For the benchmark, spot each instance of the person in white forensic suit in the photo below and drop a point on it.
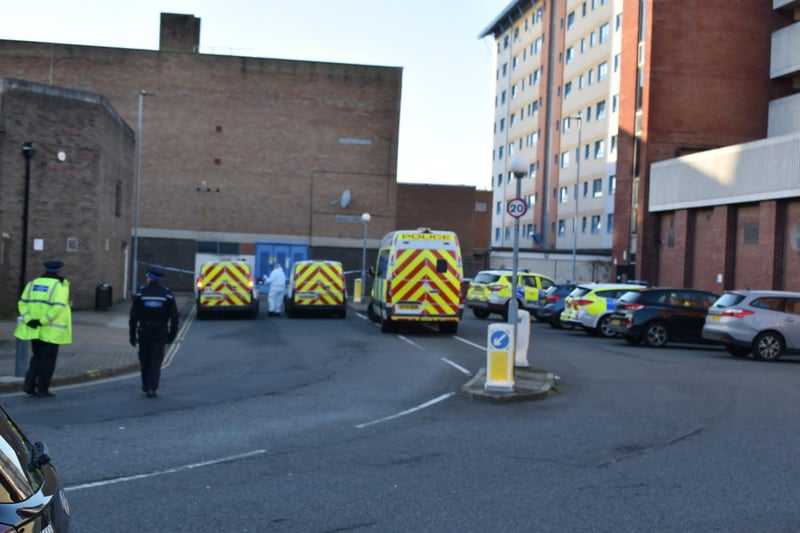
(277, 290)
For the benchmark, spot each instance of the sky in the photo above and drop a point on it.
(448, 71)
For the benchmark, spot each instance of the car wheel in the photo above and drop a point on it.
(480, 313)
(556, 322)
(633, 339)
(738, 351)
(768, 346)
(505, 311)
(656, 335)
(604, 326)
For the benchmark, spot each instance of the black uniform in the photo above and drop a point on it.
(154, 323)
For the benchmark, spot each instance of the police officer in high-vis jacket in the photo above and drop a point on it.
(153, 324)
(45, 320)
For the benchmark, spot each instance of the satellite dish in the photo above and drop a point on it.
(345, 200)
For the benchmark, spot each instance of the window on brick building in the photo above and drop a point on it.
(118, 199)
(750, 233)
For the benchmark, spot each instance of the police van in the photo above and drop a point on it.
(417, 278)
(316, 287)
(225, 287)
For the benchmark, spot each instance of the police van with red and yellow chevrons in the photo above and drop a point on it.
(316, 287)
(224, 287)
(417, 278)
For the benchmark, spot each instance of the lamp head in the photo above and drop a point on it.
(365, 217)
(519, 165)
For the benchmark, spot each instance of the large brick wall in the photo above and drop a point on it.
(77, 198)
(241, 149)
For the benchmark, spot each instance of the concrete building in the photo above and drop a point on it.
(557, 94)
(238, 150)
(69, 198)
(727, 217)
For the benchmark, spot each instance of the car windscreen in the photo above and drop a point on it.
(729, 299)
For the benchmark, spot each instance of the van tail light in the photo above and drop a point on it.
(580, 303)
(495, 287)
(200, 283)
(552, 298)
(632, 307)
(737, 313)
(250, 281)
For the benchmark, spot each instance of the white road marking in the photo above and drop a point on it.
(409, 341)
(407, 411)
(457, 366)
(165, 472)
(172, 349)
(470, 343)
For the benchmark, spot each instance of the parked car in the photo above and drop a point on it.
(31, 495)
(661, 315)
(590, 305)
(766, 323)
(490, 291)
(551, 303)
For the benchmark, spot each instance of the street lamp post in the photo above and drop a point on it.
(27, 152)
(365, 218)
(577, 195)
(519, 167)
(134, 278)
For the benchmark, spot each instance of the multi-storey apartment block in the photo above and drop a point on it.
(556, 103)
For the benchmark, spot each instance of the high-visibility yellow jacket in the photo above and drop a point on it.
(45, 299)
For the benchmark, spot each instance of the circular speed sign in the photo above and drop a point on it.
(517, 207)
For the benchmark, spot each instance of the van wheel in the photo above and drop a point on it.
(201, 315)
(371, 313)
(387, 326)
(449, 328)
(480, 313)
(343, 312)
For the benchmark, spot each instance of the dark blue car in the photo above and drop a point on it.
(551, 303)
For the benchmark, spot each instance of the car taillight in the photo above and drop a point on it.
(632, 307)
(553, 298)
(581, 303)
(737, 313)
(494, 288)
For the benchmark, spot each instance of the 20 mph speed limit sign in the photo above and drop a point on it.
(517, 207)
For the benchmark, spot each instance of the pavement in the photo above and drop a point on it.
(100, 349)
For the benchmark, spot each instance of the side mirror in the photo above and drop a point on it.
(371, 271)
(39, 456)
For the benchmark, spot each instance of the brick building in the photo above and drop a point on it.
(239, 150)
(707, 190)
(79, 179)
(454, 208)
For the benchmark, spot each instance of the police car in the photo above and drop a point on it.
(590, 305)
(490, 291)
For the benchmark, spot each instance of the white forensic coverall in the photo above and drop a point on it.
(277, 289)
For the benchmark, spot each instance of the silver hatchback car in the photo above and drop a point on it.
(766, 323)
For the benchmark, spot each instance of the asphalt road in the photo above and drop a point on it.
(325, 424)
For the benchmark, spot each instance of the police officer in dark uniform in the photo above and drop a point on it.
(153, 324)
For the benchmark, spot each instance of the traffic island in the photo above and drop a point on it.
(529, 384)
